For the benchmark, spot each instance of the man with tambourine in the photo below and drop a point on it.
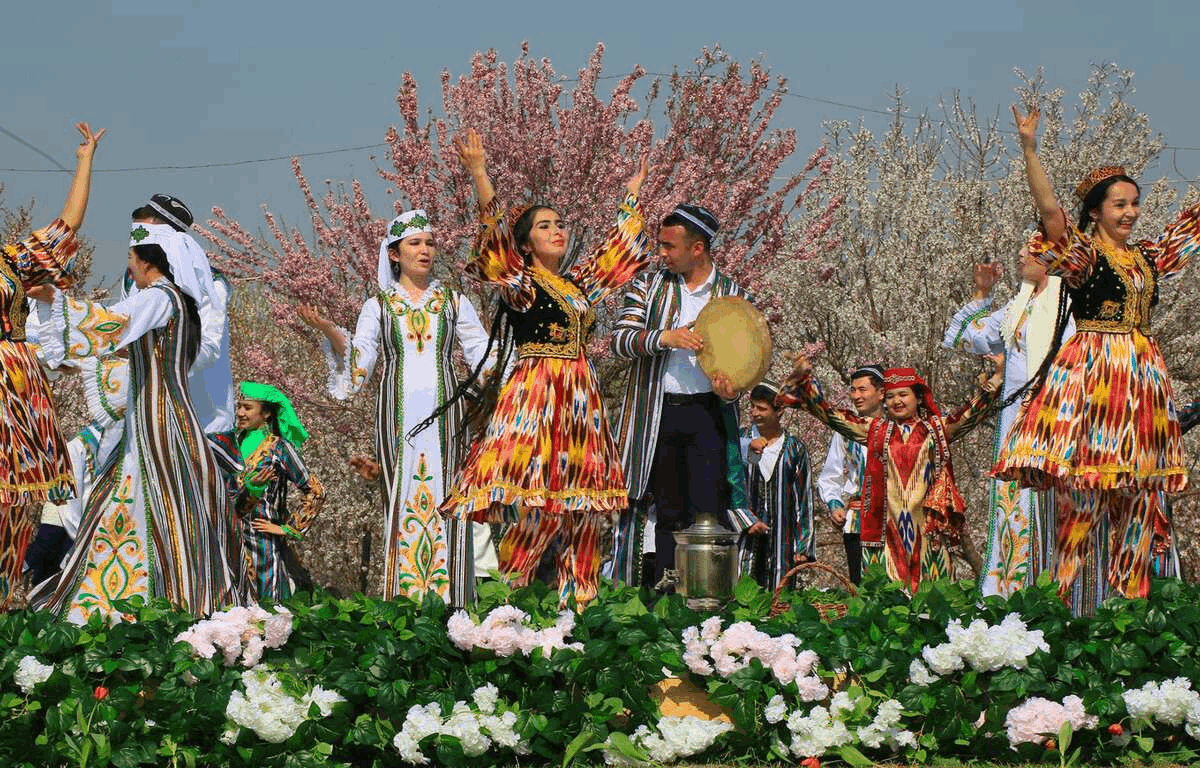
(678, 423)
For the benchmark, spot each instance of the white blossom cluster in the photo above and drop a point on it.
(31, 673)
(984, 647)
(243, 632)
(476, 728)
(1171, 702)
(673, 738)
(821, 729)
(268, 710)
(505, 630)
(707, 649)
(1039, 719)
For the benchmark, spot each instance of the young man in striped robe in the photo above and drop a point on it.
(780, 494)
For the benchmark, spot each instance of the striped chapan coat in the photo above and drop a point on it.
(652, 307)
(784, 504)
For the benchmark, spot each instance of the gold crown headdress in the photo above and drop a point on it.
(1095, 177)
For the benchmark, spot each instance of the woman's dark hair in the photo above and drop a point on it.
(270, 411)
(1095, 198)
(155, 256)
(482, 397)
(1034, 385)
(523, 226)
(394, 264)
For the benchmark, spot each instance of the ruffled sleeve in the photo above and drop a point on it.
(46, 256)
(88, 328)
(1071, 257)
(975, 329)
(623, 253)
(348, 375)
(497, 261)
(1174, 248)
(105, 388)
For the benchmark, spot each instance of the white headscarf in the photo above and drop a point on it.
(407, 224)
(1039, 328)
(189, 264)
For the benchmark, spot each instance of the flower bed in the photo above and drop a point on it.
(363, 682)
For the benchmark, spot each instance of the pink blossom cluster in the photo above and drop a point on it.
(243, 632)
(1039, 719)
(506, 630)
(707, 649)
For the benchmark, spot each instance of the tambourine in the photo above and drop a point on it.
(737, 341)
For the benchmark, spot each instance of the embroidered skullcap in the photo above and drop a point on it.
(1095, 177)
(899, 378)
(182, 251)
(874, 371)
(172, 210)
(702, 218)
(407, 224)
(290, 428)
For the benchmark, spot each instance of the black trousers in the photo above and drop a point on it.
(689, 469)
(46, 552)
(853, 544)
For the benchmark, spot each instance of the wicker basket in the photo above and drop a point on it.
(828, 611)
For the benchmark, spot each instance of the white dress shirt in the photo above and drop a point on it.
(683, 375)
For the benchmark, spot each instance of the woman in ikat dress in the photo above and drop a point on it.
(546, 453)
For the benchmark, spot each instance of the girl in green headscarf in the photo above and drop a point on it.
(270, 434)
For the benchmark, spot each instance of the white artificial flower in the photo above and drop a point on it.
(31, 673)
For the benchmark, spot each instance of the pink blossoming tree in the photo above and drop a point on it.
(711, 140)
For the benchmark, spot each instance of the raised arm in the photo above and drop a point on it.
(1039, 183)
(972, 412)
(474, 160)
(81, 184)
(975, 328)
(801, 391)
(350, 362)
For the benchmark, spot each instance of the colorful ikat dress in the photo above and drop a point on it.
(548, 446)
(34, 463)
(415, 337)
(271, 463)
(1105, 418)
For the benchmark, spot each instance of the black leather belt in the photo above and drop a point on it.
(700, 398)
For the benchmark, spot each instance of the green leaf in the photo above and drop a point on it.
(852, 756)
(585, 737)
(1064, 737)
(626, 748)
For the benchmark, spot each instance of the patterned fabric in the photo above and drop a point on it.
(155, 523)
(414, 338)
(34, 465)
(914, 530)
(576, 559)
(547, 447)
(784, 503)
(651, 308)
(1130, 516)
(274, 464)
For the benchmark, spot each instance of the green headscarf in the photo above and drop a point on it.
(290, 428)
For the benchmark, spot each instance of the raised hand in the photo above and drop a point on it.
(87, 147)
(634, 185)
(986, 276)
(801, 369)
(470, 151)
(310, 316)
(1027, 126)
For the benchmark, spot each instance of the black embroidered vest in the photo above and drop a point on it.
(1108, 302)
(553, 326)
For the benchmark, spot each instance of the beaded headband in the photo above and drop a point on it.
(1095, 177)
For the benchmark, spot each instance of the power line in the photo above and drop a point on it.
(27, 145)
(252, 161)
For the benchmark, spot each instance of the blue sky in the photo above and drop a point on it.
(219, 81)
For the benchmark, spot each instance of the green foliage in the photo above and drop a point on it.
(165, 706)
